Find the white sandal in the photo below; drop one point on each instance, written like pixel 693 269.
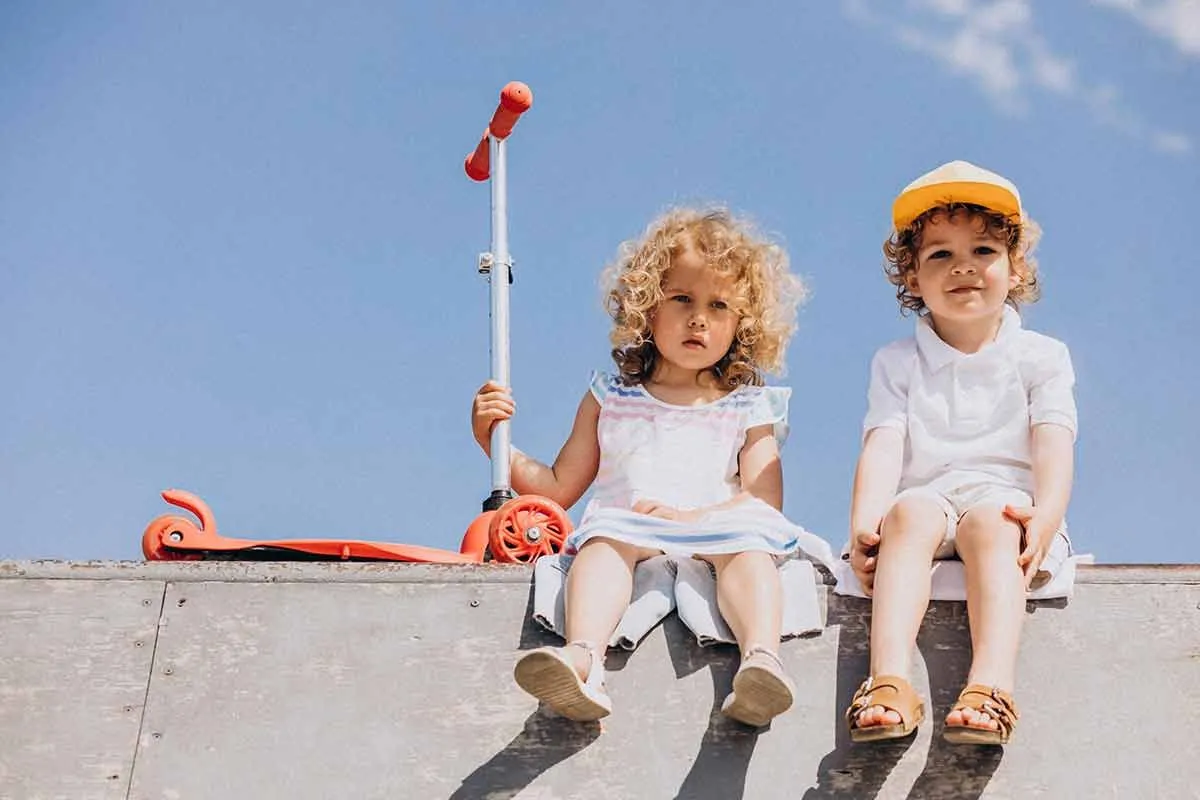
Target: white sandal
pixel 549 674
pixel 761 689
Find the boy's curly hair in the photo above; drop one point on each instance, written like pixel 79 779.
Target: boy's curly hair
pixel 767 294
pixel 1021 237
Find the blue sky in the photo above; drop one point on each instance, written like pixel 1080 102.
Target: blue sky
pixel 237 248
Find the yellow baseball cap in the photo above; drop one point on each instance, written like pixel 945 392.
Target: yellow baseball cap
pixel 956 182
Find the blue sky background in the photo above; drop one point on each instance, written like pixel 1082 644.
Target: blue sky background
pixel 237 247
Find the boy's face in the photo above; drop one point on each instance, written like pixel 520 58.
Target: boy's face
pixel 963 273
pixel 694 324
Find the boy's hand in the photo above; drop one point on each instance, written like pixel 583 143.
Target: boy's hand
pixel 864 548
pixel 653 508
pixel 492 404
pixel 1039 533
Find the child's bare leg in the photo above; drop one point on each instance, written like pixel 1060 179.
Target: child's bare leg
pixel 750 597
pixel 599 587
pixel 909 537
pixel 988 544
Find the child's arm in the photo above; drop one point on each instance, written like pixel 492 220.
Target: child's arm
pixel 761 475
pixel 1052 443
pixel 875 480
pixel 760 468
pixel 574 468
pixel 1053 470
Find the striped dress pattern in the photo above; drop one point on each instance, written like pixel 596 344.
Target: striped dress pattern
pixel 685 457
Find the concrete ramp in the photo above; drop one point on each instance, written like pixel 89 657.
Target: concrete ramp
pixel 254 680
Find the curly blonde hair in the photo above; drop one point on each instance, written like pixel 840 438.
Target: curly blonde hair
pixel 1020 236
pixel 767 294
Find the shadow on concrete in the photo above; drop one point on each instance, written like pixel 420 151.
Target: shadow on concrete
pixel 723 760
pixel 958 771
pixel 534 635
pixel 850 770
pixel 721 764
pixel 544 741
pixel 860 771
pixel 955 771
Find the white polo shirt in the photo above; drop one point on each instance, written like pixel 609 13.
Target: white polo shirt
pixel 967 418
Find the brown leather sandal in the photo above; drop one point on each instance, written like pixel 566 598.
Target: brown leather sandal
pixel 996 703
pixel 893 693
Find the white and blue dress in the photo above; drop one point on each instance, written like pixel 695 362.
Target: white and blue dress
pixel 685 457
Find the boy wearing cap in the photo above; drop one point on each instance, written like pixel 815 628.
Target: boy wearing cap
pixel 967 450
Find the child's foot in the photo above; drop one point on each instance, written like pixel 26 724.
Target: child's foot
pixel 761 689
pixel 982 715
pixel 884 707
pixel 569 680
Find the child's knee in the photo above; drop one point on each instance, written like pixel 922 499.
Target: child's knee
pixel 760 563
pixel 914 520
pixel 631 554
pixel 985 528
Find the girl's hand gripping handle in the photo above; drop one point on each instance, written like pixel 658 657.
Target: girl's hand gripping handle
pixel 492 404
pixel 515 100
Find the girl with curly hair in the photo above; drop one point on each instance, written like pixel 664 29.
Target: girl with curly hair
pixel 681 447
pixel 967 450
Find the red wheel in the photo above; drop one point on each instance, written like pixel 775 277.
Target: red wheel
pixel 163 530
pixel 526 528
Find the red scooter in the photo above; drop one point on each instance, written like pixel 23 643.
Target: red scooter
pixel 511 528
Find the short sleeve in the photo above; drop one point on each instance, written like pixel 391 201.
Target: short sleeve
pixel 600 383
pixel 770 407
pixel 887 395
pixel 1052 386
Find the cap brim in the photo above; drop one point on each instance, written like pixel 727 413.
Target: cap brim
pixel 915 202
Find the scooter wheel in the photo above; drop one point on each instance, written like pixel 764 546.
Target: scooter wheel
pixel 159 532
pixel 527 528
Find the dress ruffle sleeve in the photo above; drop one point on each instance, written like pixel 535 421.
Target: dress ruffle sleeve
pixel 770 407
pixel 599 384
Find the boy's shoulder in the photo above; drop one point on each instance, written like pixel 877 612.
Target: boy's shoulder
pixel 1031 344
pixel 899 351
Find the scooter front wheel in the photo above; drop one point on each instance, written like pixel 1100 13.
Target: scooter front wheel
pixel 158 534
pixel 527 528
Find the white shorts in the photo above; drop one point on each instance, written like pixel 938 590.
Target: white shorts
pixel 958 502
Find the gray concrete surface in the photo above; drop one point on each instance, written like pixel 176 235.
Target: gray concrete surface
pixel 304 680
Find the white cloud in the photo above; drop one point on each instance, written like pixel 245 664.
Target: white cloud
pixel 950 7
pixel 997 45
pixel 1177 21
pixel 967 53
pixel 859 11
pixel 1171 142
pixel 1050 71
pixel 1004 16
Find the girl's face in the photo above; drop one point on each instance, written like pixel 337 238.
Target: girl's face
pixel 963 270
pixel 693 327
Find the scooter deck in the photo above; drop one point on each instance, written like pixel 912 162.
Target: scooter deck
pixel 322 550
pixel 172 537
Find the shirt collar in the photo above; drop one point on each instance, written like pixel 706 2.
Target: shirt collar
pixel 937 354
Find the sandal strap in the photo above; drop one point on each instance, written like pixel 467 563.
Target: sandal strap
pixel 887 691
pixel 760 650
pixel 595 678
pixel 992 700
